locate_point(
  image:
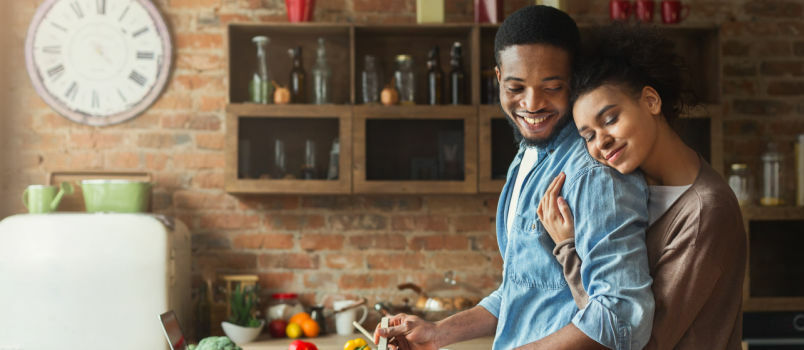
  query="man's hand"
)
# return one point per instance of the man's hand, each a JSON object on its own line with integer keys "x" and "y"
{"x": 408, "y": 333}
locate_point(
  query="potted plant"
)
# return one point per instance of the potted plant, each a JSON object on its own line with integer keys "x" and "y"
{"x": 243, "y": 326}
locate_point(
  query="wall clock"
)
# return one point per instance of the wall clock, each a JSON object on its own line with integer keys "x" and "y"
{"x": 98, "y": 62}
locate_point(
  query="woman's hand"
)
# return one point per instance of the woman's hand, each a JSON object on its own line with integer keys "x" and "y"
{"x": 554, "y": 212}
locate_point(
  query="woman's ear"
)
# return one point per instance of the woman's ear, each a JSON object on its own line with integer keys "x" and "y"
{"x": 651, "y": 100}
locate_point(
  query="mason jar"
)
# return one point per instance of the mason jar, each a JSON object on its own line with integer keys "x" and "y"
{"x": 405, "y": 80}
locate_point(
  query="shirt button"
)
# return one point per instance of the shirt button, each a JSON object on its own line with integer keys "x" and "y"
{"x": 533, "y": 226}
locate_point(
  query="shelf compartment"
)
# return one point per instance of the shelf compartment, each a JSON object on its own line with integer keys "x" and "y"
{"x": 242, "y": 56}
{"x": 250, "y": 148}
{"x": 497, "y": 148}
{"x": 386, "y": 41}
{"x": 774, "y": 260}
{"x": 415, "y": 149}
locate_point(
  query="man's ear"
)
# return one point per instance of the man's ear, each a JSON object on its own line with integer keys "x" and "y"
{"x": 651, "y": 99}
{"x": 497, "y": 71}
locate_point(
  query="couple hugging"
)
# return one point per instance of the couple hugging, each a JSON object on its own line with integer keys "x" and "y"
{"x": 613, "y": 232}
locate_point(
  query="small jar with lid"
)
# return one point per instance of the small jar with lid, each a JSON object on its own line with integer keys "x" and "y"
{"x": 740, "y": 183}
{"x": 283, "y": 306}
{"x": 405, "y": 80}
{"x": 771, "y": 177}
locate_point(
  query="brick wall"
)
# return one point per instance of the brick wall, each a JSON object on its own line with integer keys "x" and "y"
{"x": 358, "y": 244}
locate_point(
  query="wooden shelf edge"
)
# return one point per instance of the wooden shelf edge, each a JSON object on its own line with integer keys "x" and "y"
{"x": 755, "y": 212}
{"x": 773, "y": 304}
{"x": 255, "y": 110}
{"x": 303, "y": 187}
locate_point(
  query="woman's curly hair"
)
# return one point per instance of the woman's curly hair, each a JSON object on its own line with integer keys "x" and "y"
{"x": 633, "y": 57}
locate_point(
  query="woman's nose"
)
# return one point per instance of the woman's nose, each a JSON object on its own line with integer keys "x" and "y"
{"x": 604, "y": 141}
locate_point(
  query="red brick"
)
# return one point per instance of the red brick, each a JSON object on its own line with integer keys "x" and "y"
{"x": 324, "y": 281}
{"x": 199, "y": 61}
{"x": 199, "y": 41}
{"x": 226, "y": 18}
{"x": 263, "y": 241}
{"x": 199, "y": 161}
{"x": 293, "y": 222}
{"x": 194, "y": 4}
{"x": 331, "y": 202}
{"x": 783, "y": 68}
{"x": 455, "y": 204}
{"x": 773, "y": 48}
{"x": 87, "y": 160}
{"x": 156, "y": 161}
{"x": 155, "y": 140}
{"x": 345, "y": 260}
{"x": 208, "y": 180}
{"x": 230, "y": 221}
{"x": 419, "y": 223}
{"x": 269, "y": 203}
{"x": 739, "y": 69}
{"x": 384, "y": 6}
{"x": 172, "y": 179}
{"x": 53, "y": 121}
{"x": 196, "y": 81}
{"x": 46, "y": 141}
{"x": 123, "y": 160}
{"x": 95, "y": 140}
{"x": 735, "y": 48}
{"x": 786, "y": 88}
{"x": 210, "y": 141}
{"x": 459, "y": 261}
{"x": 348, "y": 222}
{"x": 228, "y": 261}
{"x": 485, "y": 243}
{"x": 383, "y": 241}
{"x": 739, "y": 87}
{"x": 289, "y": 261}
{"x": 173, "y": 102}
{"x": 474, "y": 223}
{"x": 204, "y": 122}
{"x": 396, "y": 261}
{"x": 321, "y": 242}
{"x": 212, "y": 103}
{"x": 277, "y": 281}
{"x": 761, "y": 107}
{"x": 351, "y": 281}
{"x": 195, "y": 200}
{"x": 773, "y": 9}
{"x": 439, "y": 242}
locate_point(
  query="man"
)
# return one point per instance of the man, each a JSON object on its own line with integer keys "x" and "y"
{"x": 533, "y": 307}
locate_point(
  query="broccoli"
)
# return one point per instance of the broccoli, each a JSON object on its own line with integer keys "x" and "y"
{"x": 215, "y": 343}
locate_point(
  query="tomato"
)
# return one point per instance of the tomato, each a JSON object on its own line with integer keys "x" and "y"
{"x": 302, "y": 345}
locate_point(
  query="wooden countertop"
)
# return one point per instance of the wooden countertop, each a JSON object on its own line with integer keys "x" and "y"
{"x": 335, "y": 342}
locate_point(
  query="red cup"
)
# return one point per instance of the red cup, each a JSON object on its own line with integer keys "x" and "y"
{"x": 488, "y": 11}
{"x": 619, "y": 10}
{"x": 673, "y": 11}
{"x": 644, "y": 10}
{"x": 300, "y": 10}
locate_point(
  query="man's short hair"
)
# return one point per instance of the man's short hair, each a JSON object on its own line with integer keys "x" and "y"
{"x": 538, "y": 24}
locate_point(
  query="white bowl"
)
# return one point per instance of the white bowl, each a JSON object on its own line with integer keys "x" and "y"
{"x": 241, "y": 335}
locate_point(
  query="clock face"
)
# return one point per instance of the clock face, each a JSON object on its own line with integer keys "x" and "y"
{"x": 98, "y": 62}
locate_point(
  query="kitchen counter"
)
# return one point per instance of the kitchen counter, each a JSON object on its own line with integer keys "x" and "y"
{"x": 335, "y": 342}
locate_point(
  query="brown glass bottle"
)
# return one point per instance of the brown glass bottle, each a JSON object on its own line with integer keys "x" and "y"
{"x": 435, "y": 79}
{"x": 457, "y": 78}
{"x": 298, "y": 90}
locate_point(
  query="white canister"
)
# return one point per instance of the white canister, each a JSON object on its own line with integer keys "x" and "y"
{"x": 800, "y": 170}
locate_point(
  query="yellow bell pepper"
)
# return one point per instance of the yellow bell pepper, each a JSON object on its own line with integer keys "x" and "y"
{"x": 355, "y": 344}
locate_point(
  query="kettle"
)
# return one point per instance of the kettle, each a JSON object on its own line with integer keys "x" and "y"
{"x": 40, "y": 199}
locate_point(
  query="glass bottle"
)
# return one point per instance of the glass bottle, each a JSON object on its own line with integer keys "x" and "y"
{"x": 308, "y": 169}
{"x": 771, "y": 177}
{"x": 457, "y": 78}
{"x": 435, "y": 79}
{"x": 740, "y": 183}
{"x": 321, "y": 75}
{"x": 280, "y": 169}
{"x": 370, "y": 80}
{"x": 405, "y": 80}
{"x": 261, "y": 90}
{"x": 334, "y": 160}
{"x": 298, "y": 93}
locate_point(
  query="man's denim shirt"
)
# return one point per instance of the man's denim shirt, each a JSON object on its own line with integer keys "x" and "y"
{"x": 610, "y": 214}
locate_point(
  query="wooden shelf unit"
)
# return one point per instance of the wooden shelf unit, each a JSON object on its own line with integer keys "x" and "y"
{"x": 347, "y": 44}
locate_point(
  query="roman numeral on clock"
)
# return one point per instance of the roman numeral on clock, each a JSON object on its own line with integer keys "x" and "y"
{"x": 100, "y": 5}
{"x": 56, "y": 71}
{"x": 54, "y": 49}
{"x": 72, "y": 91}
{"x": 77, "y": 9}
{"x": 142, "y": 31}
{"x": 145, "y": 55}
{"x": 95, "y": 99}
{"x": 137, "y": 78}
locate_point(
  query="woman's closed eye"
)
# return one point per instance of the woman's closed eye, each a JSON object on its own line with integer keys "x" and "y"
{"x": 588, "y": 137}
{"x": 611, "y": 119}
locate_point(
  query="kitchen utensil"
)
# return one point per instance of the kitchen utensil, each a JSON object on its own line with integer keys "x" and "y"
{"x": 346, "y": 313}
{"x": 75, "y": 202}
{"x": 116, "y": 196}
{"x": 363, "y": 331}
{"x": 41, "y": 199}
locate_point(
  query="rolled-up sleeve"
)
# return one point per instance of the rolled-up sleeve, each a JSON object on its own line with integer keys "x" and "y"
{"x": 492, "y": 302}
{"x": 610, "y": 220}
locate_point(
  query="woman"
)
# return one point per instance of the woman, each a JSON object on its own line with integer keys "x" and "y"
{"x": 625, "y": 90}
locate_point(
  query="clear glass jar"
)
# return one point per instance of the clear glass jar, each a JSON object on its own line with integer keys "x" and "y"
{"x": 740, "y": 183}
{"x": 321, "y": 76}
{"x": 370, "y": 80}
{"x": 283, "y": 306}
{"x": 260, "y": 89}
{"x": 405, "y": 80}
{"x": 771, "y": 177}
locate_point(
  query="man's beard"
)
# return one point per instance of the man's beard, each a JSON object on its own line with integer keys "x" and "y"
{"x": 542, "y": 141}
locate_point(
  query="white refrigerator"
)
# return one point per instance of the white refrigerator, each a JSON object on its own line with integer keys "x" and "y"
{"x": 91, "y": 281}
